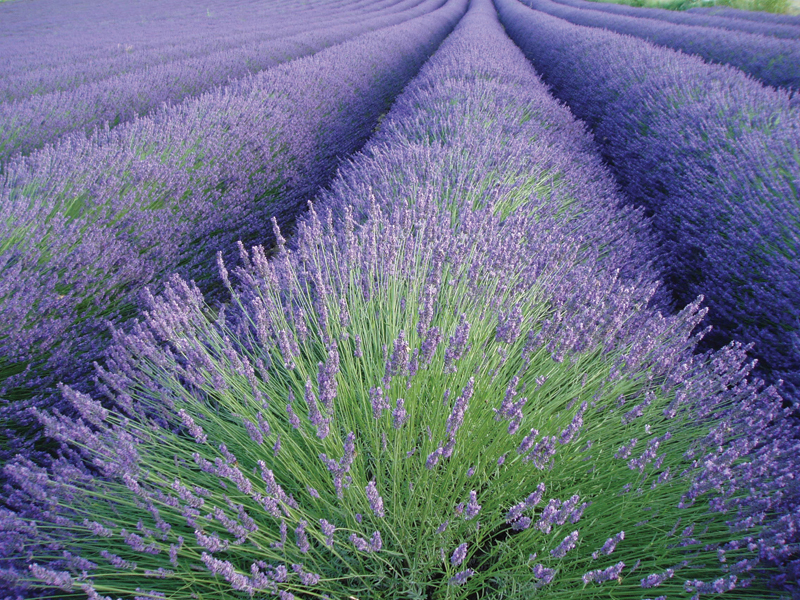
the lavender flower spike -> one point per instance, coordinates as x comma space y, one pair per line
375, 501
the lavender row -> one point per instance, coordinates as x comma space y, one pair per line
772, 61
719, 21
51, 33
32, 123
434, 390
711, 153
749, 15
87, 225
67, 74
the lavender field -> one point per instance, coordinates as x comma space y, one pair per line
398, 299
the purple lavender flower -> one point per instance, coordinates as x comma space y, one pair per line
399, 414
603, 575
459, 554
544, 574
375, 501
360, 543
609, 545
473, 508
327, 530
376, 543
567, 544
461, 577
305, 577
302, 537
378, 401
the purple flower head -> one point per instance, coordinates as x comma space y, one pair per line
378, 401
534, 498
195, 430
573, 428
59, 579
294, 420
305, 577
544, 574
567, 544
603, 575
399, 414
375, 501
527, 442
376, 543
433, 458
609, 546
327, 530
301, 537
459, 554
360, 543
277, 446
473, 508
461, 577
398, 365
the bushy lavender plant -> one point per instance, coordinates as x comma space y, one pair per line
86, 225
719, 20
32, 122
711, 154
749, 15
774, 62
437, 398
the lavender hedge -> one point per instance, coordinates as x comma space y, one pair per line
772, 61
712, 154
40, 72
44, 35
398, 339
749, 15
30, 123
88, 224
717, 20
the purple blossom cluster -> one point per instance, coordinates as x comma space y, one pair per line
675, 140
774, 62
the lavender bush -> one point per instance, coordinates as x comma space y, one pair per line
772, 61
718, 20
30, 123
426, 395
88, 224
711, 154
758, 16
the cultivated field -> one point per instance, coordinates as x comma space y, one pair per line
398, 299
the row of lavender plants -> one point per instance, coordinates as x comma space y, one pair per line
719, 21
41, 73
454, 382
775, 62
711, 154
87, 225
31, 123
749, 15
43, 34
